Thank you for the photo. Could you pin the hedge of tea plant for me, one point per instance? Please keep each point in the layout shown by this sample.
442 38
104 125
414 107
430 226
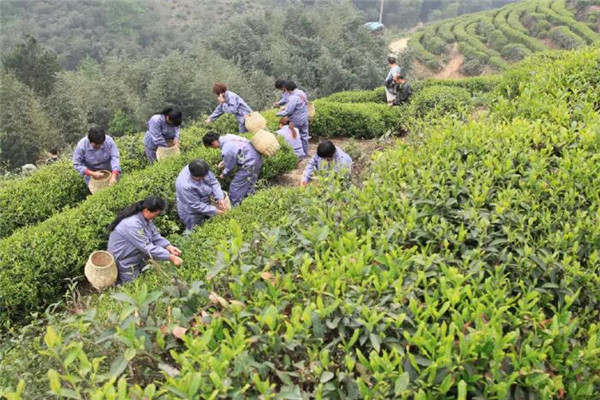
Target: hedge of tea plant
36 261
52 188
19 353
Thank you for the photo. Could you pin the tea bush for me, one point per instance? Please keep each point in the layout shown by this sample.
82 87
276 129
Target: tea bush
36 260
359 120
566 39
359 96
439 100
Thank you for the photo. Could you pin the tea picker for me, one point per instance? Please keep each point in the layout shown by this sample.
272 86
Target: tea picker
97 157
230 103
296 109
195 186
239 152
329 157
162 127
134 239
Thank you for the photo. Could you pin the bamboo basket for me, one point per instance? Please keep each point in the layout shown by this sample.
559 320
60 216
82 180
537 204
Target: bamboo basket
310 111
170 151
96 185
227 201
255 122
265 143
101 270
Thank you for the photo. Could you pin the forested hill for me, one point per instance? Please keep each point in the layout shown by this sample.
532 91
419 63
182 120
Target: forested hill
75 29
488 41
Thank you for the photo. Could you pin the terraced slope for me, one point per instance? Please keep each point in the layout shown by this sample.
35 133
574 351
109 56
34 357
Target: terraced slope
489 41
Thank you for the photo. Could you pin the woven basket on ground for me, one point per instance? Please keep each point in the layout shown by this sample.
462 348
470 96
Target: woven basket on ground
101 269
255 122
265 143
171 150
98 184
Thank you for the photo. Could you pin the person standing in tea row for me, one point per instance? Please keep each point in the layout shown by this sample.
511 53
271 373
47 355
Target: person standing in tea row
231 103
296 110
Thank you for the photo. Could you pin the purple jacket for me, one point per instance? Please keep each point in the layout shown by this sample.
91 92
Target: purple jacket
105 158
341 160
234 104
193 197
237 150
159 132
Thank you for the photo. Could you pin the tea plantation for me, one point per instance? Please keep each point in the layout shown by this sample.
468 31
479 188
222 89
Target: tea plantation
493 39
465 265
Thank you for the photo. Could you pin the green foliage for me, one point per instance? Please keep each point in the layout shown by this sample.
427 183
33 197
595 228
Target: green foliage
471 67
122 123
421 54
515 52
497 40
362 96
23 122
435 101
557 13
566 39
358 120
32 65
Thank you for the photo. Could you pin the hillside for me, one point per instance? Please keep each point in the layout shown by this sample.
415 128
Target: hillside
489 41
464 264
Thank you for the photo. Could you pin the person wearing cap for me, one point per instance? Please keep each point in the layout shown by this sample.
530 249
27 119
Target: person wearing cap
231 103
162 126
329 157
237 152
195 186
95 153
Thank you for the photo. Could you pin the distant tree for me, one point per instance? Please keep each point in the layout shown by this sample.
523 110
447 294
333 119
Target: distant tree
33 65
24 124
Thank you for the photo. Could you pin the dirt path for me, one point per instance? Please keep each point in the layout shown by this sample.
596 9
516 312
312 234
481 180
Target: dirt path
360 151
452 68
398 45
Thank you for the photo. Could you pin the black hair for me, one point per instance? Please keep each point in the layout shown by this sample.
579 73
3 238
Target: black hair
392 60
399 76
279 84
151 203
175 116
199 168
54 151
209 138
326 149
289 85
96 135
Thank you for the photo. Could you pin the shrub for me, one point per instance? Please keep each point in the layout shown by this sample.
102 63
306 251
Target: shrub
36 261
497 40
358 120
474 85
362 96
516 35
566 39
435 44
515 52
471 67
421 54
439 100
